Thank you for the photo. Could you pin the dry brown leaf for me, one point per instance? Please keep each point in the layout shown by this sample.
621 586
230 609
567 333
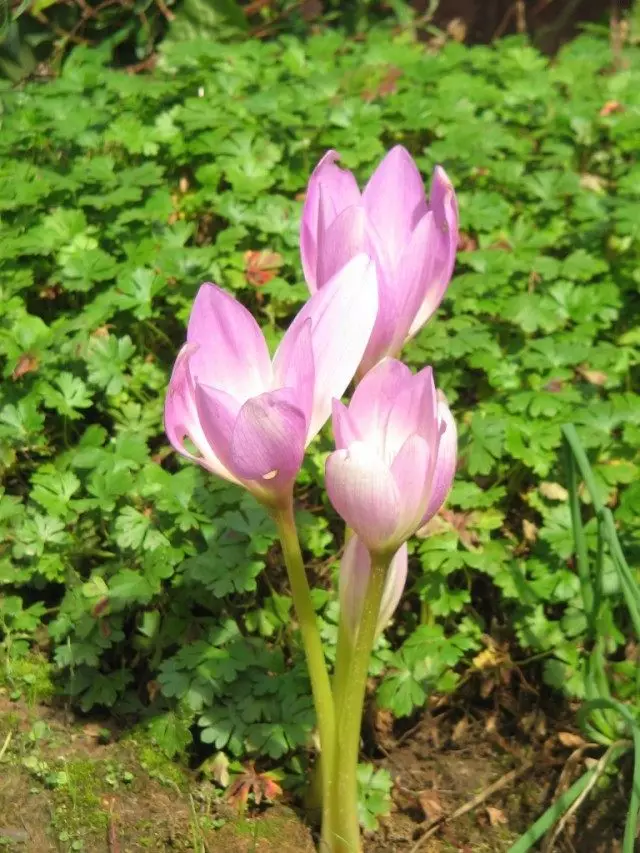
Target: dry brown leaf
570 740
460 730
553 491
595 377
611 107
496 816
27 363
430 804
530 530
261 267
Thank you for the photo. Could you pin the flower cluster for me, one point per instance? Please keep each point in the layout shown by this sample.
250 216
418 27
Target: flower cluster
377 264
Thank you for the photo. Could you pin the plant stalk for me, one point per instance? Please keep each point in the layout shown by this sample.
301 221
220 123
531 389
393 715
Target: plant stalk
318 673
345 836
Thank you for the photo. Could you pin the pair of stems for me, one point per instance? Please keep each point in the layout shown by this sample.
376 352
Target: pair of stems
339 712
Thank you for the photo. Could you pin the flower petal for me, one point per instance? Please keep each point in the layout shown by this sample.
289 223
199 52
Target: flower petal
342 316
363 491
413 412
394 586
293 366
355 570
344 429
373 398
444 469
217 413
232 354
340 190
181 417
395 200
410 471
442 201
340 241
269 437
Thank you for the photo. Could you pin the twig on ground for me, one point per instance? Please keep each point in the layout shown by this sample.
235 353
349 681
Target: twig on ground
5 745
473 803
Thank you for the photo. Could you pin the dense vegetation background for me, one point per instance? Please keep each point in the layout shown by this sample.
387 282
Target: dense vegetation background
144 586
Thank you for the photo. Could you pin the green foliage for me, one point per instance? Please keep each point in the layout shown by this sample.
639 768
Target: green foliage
160 589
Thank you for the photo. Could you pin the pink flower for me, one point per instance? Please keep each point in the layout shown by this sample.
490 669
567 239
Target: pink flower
412 241
251 418
395 458
355 569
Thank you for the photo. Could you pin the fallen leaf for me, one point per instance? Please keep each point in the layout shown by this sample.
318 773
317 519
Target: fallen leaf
460 730
430 804
595 377
570 740
466 243
496 816
27 363
261 267
553 491
219 768
457 29
595 183
611 107
530 530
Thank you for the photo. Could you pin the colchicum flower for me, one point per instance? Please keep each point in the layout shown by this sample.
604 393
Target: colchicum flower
412 241
355 569
251 418
396 455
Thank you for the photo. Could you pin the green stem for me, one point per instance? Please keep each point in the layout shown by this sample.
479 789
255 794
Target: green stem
346 830
320 684
342 671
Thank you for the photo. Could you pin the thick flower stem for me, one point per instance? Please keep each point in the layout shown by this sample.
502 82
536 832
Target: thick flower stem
320 684
345 835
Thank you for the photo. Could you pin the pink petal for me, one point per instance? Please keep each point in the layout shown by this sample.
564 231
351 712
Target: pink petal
181 417
345 430
342 316
217 413
293 366
410 471
363 491
340 191
374 396
269 437
386 320
395 200
232 354
442 202
342 240
394 586
413 412
355 570
444 469
417 277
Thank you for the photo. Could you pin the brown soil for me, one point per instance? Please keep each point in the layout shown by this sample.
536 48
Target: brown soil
122 797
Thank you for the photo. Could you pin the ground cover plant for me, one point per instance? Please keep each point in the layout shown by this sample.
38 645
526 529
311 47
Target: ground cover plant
157 591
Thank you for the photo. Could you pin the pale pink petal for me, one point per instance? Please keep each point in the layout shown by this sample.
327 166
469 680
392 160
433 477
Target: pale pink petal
381 338
181 417
395 200
363 491
269 437
413 412
417 277
394 586
217 413
442 202
411 471
342 240
342 316
340 191
373 398
232 354
293 366
355 571
445 465
345 430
